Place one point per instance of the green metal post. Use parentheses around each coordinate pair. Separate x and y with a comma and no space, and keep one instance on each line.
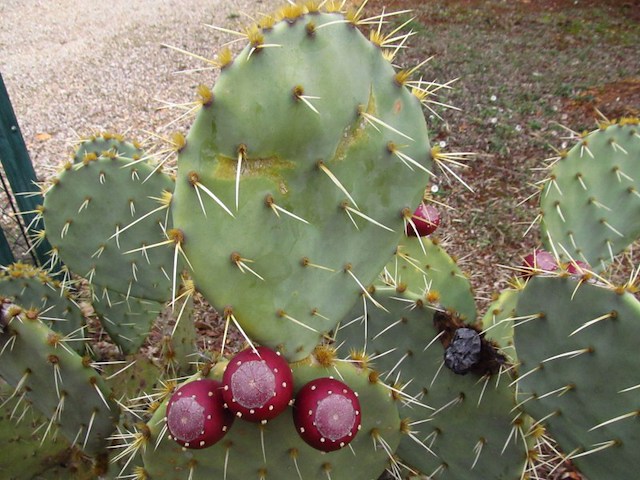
(19,171)
(6,256)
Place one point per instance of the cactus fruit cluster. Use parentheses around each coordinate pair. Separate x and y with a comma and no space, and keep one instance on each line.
(292,210)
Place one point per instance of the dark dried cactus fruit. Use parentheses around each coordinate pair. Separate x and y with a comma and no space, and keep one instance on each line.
(463,353)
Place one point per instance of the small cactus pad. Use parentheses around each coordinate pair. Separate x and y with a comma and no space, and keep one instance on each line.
(32,288)
(98,210)
(591,203)
(327,414)
(275,450)
(316,144)
(579,371)
(257,384)
(57,381)
(196,417)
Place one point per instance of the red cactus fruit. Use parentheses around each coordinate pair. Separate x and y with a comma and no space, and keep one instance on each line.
(540,260)
(578,268)
(426,220)
(257,384)
(196,417)
(327,414)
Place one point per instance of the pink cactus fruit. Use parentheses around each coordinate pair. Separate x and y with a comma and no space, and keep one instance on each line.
(539,260)
(257,385)
(196,417)
(327,414)
(424,221)
(578,267)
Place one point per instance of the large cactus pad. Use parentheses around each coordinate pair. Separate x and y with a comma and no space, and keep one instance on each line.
(457,426)
(311,140)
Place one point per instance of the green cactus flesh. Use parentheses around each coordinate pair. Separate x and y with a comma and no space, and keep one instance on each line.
(25,453)
(56,380)
(458,426)
(577,344)
(274,450)
(591,205)
(317,146)
(132,377)
(180,337)
(86,207)
(497,322)
(33,288)
(445,284)
(127,320)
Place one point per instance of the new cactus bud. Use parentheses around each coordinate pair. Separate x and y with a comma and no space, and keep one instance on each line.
(257,385)
(327,414)
(196,417)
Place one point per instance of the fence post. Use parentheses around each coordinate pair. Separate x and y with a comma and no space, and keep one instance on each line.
(6,256)
(19,171)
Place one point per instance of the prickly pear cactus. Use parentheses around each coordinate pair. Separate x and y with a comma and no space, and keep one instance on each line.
(591,201)
(295,187)
(576,342)
(310,138)
(274,450)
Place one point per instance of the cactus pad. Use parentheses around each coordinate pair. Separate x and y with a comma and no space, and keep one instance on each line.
(591,202)
(317,144)
(579,371)
(457,426)
(90,202)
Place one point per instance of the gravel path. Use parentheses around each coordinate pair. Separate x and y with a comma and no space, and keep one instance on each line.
(73,67)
